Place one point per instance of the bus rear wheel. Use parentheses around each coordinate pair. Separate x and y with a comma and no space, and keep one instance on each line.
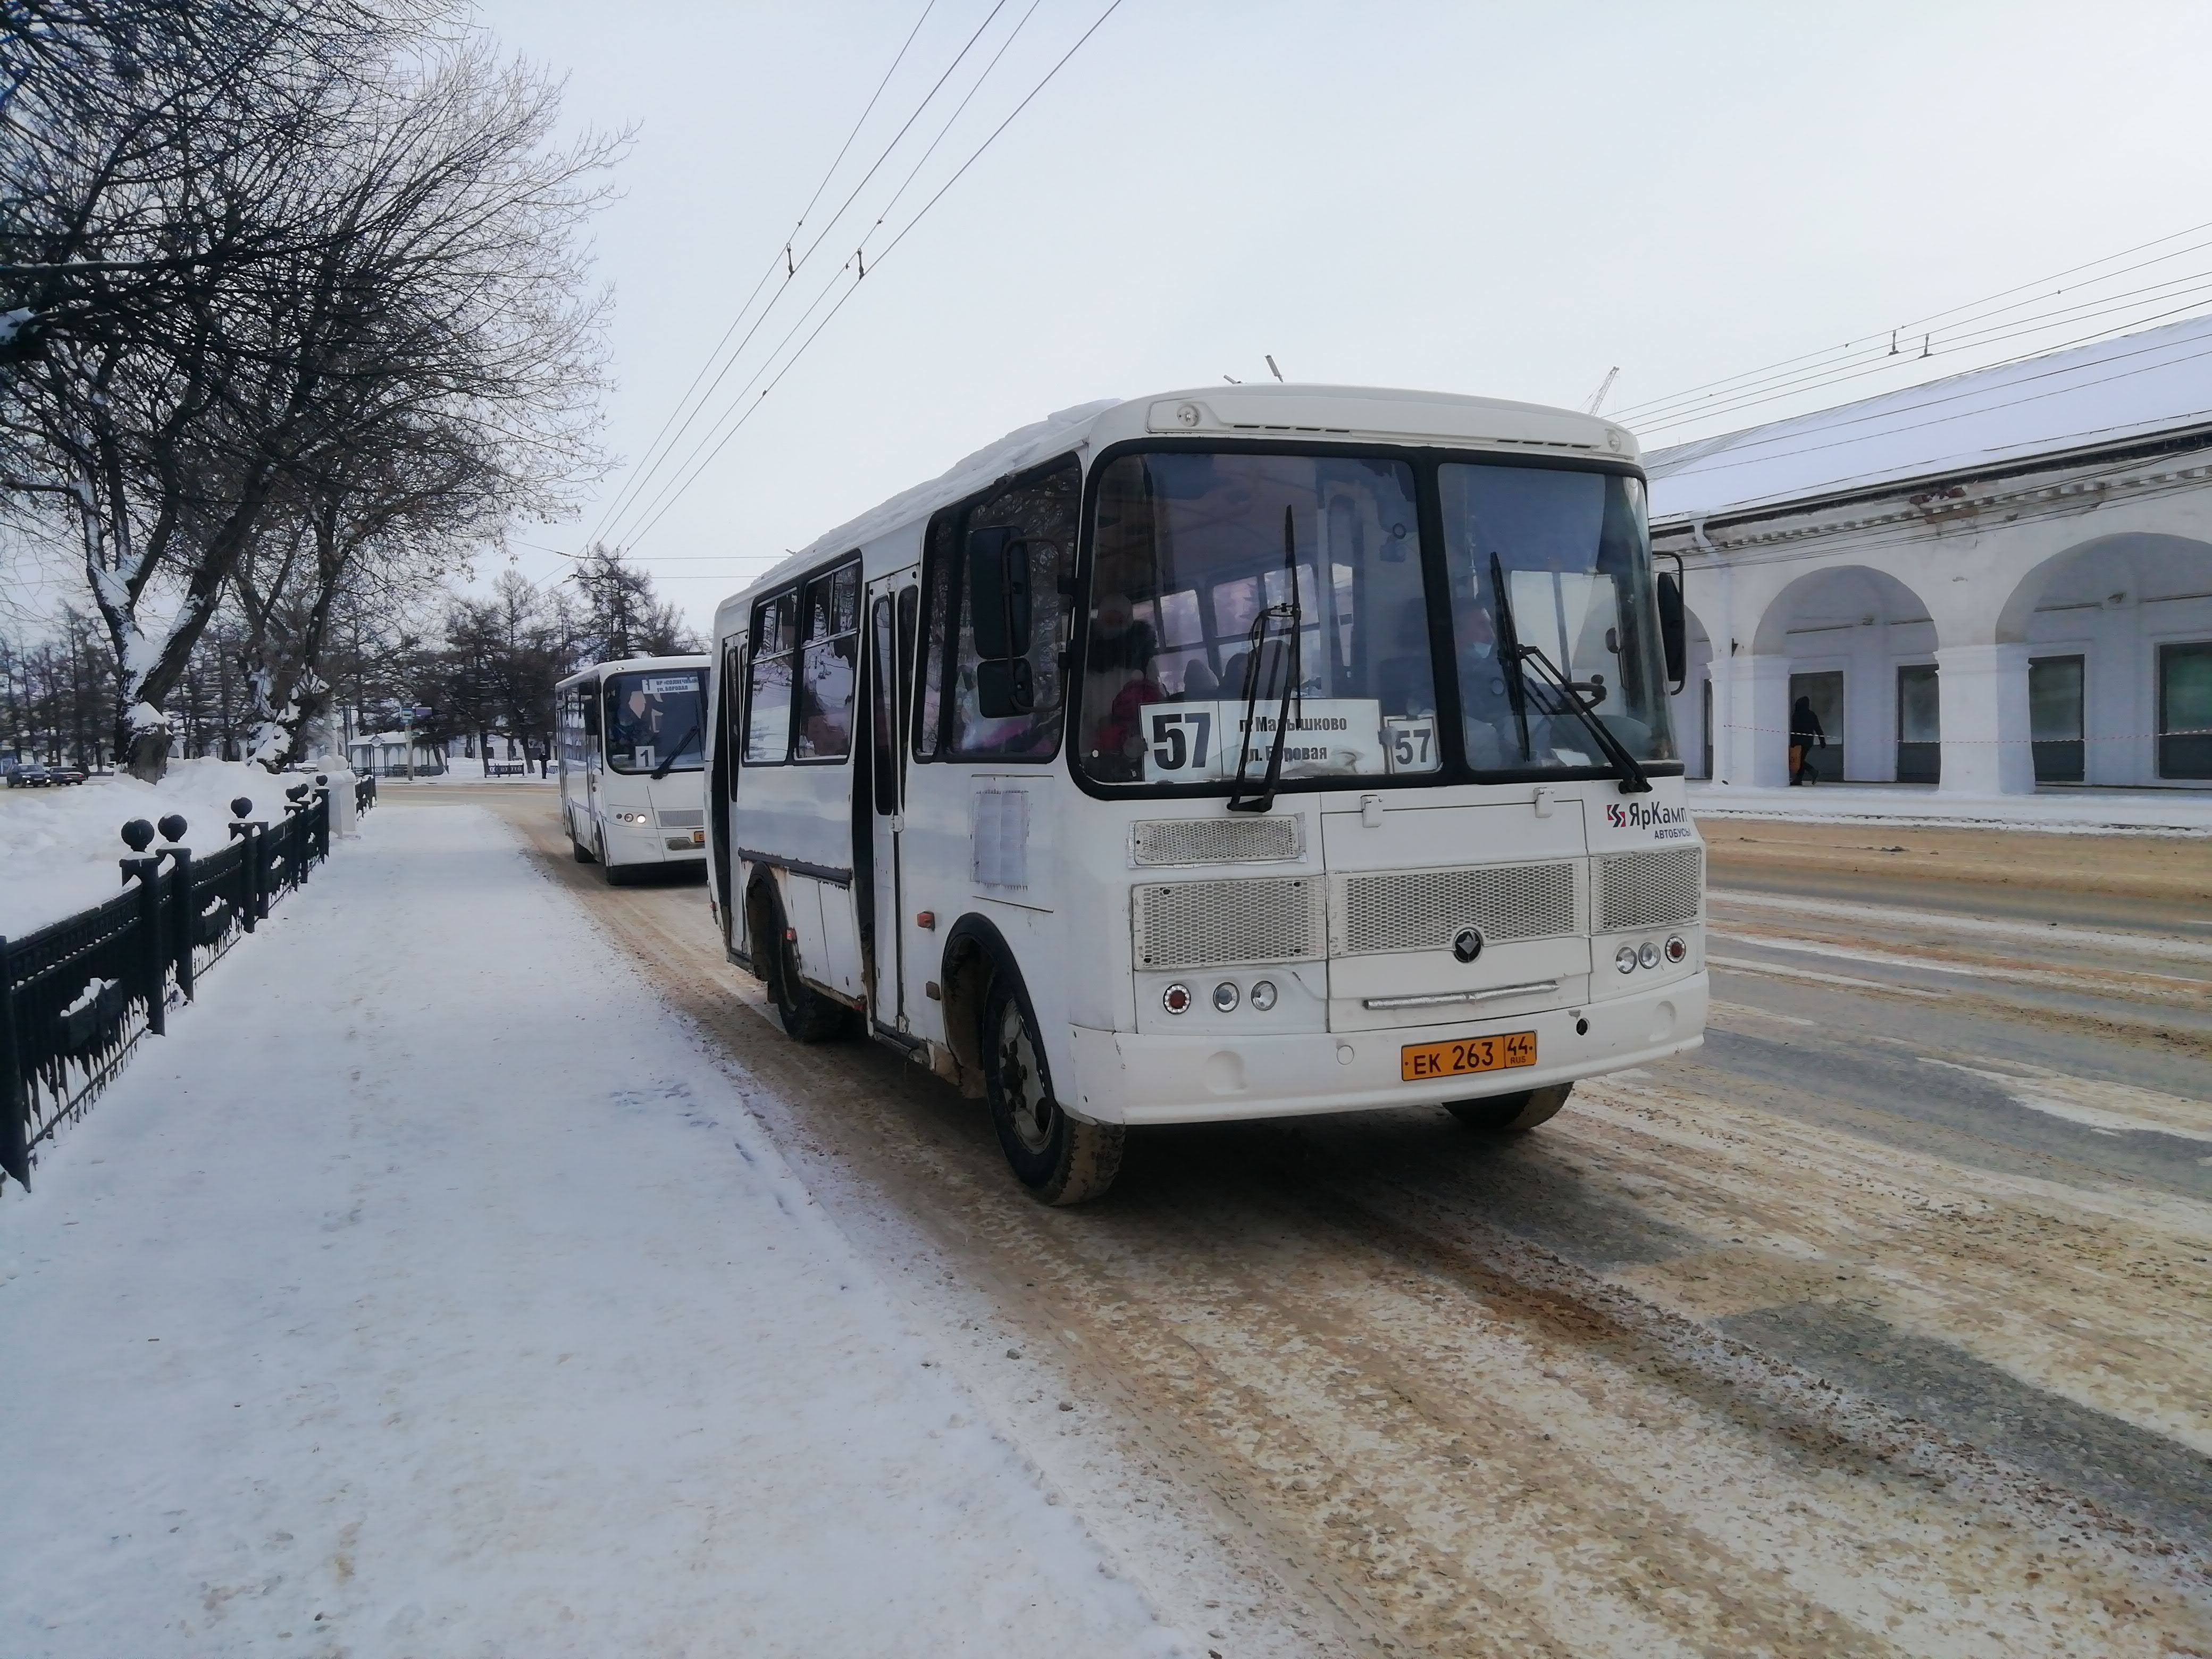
(1060,1159)
(806,1015)
(1512,1113)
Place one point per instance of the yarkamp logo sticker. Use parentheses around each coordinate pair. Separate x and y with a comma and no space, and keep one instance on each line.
(1665,822)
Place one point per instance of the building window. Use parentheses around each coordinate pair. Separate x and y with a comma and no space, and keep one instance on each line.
(2054,718)
(1919,725)
(2185,710)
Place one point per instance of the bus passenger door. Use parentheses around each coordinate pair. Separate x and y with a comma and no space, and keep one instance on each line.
(890,656)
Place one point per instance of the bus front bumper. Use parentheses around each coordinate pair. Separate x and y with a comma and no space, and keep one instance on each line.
(1121,1076)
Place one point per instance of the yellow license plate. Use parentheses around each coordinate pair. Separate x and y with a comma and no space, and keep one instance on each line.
(1464,1055)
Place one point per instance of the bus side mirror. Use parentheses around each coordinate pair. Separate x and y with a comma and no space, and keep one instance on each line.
(1001,614)
(1673,633)
(1003,688)
(999,592)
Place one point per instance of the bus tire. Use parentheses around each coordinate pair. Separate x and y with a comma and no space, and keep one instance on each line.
(806,1015)
(584,854)
(1060,1159)
(617,875)
(1511,1114)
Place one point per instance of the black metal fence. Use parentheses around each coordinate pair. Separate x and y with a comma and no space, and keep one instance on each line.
(77,996)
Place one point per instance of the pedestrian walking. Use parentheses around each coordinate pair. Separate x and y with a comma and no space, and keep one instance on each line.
(1805,732)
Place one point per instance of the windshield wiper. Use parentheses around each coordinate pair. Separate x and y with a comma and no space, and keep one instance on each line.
(675,754)
(1290,608)
(1633,779)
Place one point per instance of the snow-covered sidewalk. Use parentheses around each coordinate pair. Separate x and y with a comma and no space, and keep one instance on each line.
(2082,812)
(428,1291)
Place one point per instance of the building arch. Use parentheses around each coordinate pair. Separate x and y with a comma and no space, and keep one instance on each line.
(1692,708)
(1859,645)
(2114,636)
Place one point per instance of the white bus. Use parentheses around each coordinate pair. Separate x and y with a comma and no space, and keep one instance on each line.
(1223,754)
(630,736)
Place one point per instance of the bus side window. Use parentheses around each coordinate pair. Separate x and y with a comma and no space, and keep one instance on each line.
(1042,511)
(734,708)
(882,711)
(768,687)
(829,617)
(936,581)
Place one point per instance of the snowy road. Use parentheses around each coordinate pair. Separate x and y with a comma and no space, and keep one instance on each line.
(1877,1327)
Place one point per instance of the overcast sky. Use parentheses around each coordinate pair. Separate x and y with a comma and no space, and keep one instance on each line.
(1505,200)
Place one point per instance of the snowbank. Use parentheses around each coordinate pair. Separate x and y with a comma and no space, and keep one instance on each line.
(58,845)
(427,1292)
(2074,811)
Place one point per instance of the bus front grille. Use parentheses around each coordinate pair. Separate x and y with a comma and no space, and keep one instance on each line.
(1215,840)
(682,818)
(1422,909)
(1216,924)
(1650,889)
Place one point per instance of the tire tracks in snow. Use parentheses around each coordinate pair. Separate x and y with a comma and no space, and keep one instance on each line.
(1416,1431)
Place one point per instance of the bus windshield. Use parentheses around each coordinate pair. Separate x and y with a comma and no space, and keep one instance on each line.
(1217,580)
(1571,550)
(652,715)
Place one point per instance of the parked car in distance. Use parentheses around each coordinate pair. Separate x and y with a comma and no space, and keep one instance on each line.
(31,774)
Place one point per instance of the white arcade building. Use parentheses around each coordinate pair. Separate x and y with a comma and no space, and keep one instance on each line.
(1990,584)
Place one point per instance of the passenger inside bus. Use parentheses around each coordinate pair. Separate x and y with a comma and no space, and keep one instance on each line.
(1119,677)
(1493,737)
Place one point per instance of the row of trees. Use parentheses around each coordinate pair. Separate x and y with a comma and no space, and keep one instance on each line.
(484,665)
(294,316)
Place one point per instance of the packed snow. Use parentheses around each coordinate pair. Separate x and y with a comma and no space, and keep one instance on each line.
(2152,380)
(60,845)
(428,1290)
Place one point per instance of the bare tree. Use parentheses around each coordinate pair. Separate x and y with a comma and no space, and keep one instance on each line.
(416,288)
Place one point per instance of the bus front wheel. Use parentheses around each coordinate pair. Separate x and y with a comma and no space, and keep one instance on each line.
(584,854)
(1060,1159)
(1512,1113)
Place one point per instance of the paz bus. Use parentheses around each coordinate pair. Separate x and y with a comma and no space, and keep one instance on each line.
(1223,754)
(630,736)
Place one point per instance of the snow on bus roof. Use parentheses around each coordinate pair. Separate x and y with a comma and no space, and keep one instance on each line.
(2156,380)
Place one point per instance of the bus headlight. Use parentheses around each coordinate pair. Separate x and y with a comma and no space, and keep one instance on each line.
(1649,955)
(1176,997)
(1624,958)
(1225,996)
(633,817)
(1263,995)
(1677,948)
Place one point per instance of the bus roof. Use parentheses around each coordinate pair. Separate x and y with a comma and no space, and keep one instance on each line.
(631,665)
(1307,413)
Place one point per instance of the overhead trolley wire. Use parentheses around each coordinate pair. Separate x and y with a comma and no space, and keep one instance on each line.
(889,248)
(642,475)
(736,402)
(1915,324)
(1951,337)
(1859,367)
(1728,389)
(792,268)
